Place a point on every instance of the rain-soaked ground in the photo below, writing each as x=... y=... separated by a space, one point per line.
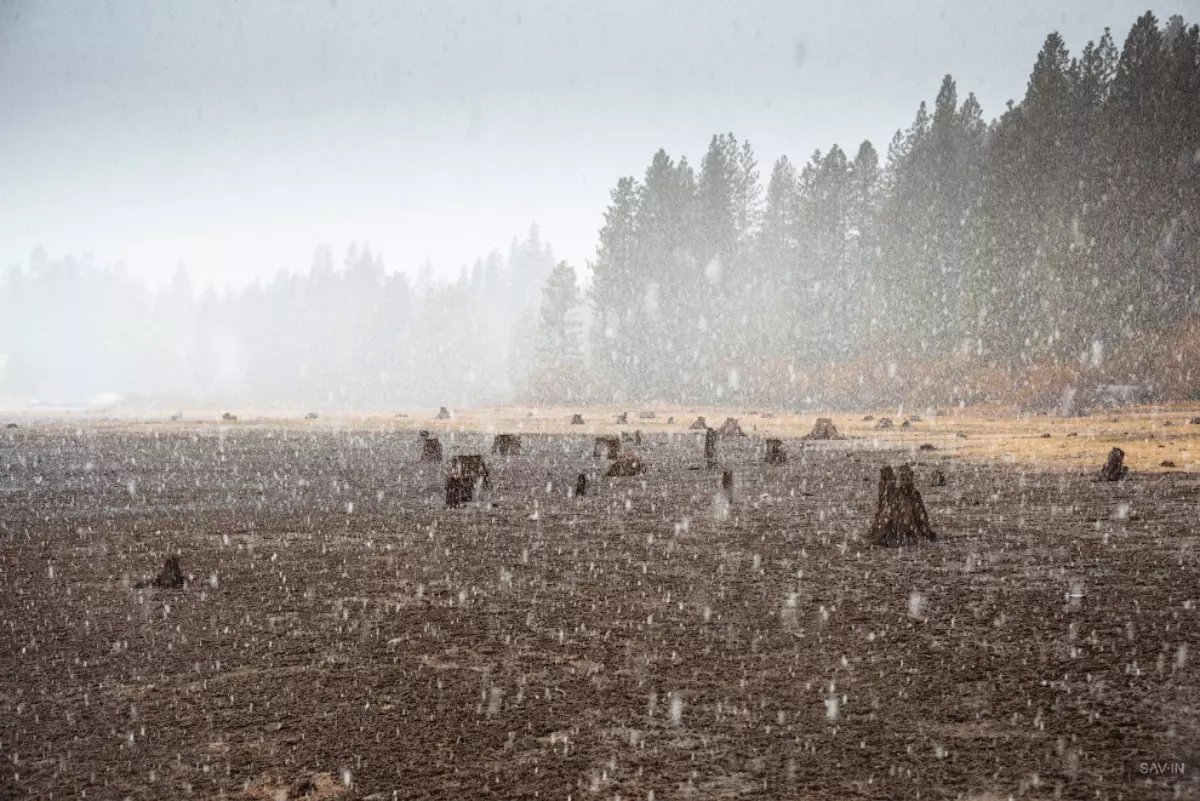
x=343 y=633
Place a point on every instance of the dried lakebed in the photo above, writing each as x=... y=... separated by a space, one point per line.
x=344 y=634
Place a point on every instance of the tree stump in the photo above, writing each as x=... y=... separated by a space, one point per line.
x=710 y=447
x=622 y=418
x=606 y=446
x=506 y=444
x=311 y=416
x=231 y=418
x=471 y=467
x=900 y=517
x=727 y=483
x=699 y=425
x=431 y=449
x=577 y=419
x=823 y=429
x=883 y=423
x=647 y=415
x=581 y=485
x=939 y=479
x=443 y=414
x=171 y=575
x=626 y=464
x=671 y=420
x=1114 y=469
x=868 y=418
x=906 y=424
x=459 y=490
x=775 y=452
x=730 y=428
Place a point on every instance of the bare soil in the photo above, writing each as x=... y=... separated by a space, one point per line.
x=341 y=632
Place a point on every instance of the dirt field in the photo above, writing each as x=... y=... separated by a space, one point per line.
x=345 y=634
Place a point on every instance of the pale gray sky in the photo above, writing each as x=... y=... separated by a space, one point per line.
x=239 y=135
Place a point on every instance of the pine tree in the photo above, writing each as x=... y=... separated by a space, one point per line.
x=558 y=350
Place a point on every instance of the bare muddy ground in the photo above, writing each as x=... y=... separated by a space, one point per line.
x=344 y=634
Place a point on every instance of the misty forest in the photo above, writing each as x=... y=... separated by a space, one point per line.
x=964 y=261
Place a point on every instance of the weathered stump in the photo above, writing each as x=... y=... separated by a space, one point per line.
x=900 y=516
x=671 y=420
x=710 y=447
x=581 y=485
x=699 y=425
x=459 y=490
x=727 y=483
x=647 y=415
x=939 y=479
x=606 y=446
x=730 y=428
x=775 y=452
x=443 y=414
x=882 y=423
x=171 y=575
x=471 y=467
x=577 y=419
x=868 y=418
x=823 y=429
x=626 y=464
x=622 y=418
x=1114 y=469
x=506 y=444
x=431 y=449
x=311 y=416
x=232 y=418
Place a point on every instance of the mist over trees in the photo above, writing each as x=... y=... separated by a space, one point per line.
x=1060 y=239
x=341 y=335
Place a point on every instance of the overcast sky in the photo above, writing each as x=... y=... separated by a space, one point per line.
x=237 y=136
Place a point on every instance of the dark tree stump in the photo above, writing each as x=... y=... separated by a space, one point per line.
x=232 y=418
x=939 y=479
x=581 y=485
x=577 y=419
x=443 y=414
x=431 y=449
x=506 y=444
x=823 y=429
x=1114 y=469
x=710 y=447
x=906 y=424
x=606 y=446
x=727 y=483
x=622 y=418
x=699 y=425
x=472 y=468
x=671 y=421
x=775 y=452
x=868 y=418
x=883 y=423
x=900 y=517
x=459 y=490
x=647 y=415
x=311 y=416
x=626 y=464
x=171 y=575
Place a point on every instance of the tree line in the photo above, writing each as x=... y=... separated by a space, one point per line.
x=1054 y=237
x=348 y=335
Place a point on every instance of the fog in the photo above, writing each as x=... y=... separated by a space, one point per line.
x=361 y=206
